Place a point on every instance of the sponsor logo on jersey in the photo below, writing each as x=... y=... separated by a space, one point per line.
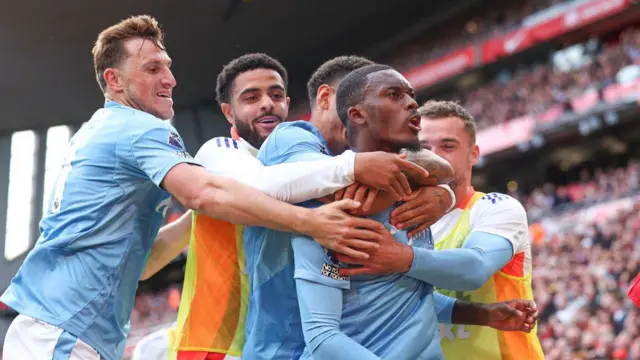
x=331 y=271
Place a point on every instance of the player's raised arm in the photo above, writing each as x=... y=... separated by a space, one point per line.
x=227 y=199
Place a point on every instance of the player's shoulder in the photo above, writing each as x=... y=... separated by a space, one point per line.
x=499 y=202
x=299 y=129
x=223 y=143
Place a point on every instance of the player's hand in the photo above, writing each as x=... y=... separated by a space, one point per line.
x=390 y=257
x=513 y=315
x=423 y=208
x=336 y=230
x=363 y=194
x=384 y=171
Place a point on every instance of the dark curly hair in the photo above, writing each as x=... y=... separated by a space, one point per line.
x=332 y=71
x=243 y=64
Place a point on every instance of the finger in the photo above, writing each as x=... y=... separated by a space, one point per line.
x=371 y=197
x=360 y=194
x=406 y=206
x=349 y=259
x=351 y=191
x=509 y=311
x=412 y=217
x=404 y=183
x=363 y=270
x=345 y=204
x=419 y=229
x=367 y=224
x=339 y=195
x=360 y=245
x=352 y=253
x=363 y=234
x=397 y=189
x=415 y=221
x=415 y=169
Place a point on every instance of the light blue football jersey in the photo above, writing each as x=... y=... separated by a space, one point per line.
x=104 y=213
x=393 y=316
x=273 y=329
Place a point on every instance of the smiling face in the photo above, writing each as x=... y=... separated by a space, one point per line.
x=389 y=110
x=143 y=80
x=258 y=104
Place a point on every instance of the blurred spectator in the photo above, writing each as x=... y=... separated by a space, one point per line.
x=579 y=282
x=602 y=186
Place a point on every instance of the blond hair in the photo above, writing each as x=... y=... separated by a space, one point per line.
x=435 y=109
x=109 y=49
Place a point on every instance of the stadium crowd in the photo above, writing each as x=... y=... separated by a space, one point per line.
x=469 y=28
x=602 y=186
x=532 y=91
x=580 y=278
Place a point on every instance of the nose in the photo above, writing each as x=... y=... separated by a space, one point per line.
x=266 y=103
x=168 y=80
x=412 y=104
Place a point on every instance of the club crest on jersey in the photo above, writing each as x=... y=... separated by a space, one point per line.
x=176 y=141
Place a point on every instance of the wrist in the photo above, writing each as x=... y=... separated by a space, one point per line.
x=302 y=221
x=405 y=259
x=452 y=195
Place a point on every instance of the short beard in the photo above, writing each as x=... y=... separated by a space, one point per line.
x=249 y=135
x=410 y=146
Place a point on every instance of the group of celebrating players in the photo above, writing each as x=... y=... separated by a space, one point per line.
x=387 y=237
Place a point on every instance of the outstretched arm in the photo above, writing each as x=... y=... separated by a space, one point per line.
x=468 y=268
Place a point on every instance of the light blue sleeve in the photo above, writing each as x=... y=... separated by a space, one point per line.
x=321 y=312
x=156 y=147
x=291 y=144
x=444 y=307
x=464 y=269
x=319 y=287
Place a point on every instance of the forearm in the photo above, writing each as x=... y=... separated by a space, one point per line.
x=301 y=181
x=171 y=240
x=227 y=199
x=462 y=269
x=321 y=311
x=469 y=313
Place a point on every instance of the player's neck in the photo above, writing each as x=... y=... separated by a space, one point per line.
x=361 y=142
x=463 y=192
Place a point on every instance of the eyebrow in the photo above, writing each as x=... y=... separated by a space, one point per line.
x=251 y=90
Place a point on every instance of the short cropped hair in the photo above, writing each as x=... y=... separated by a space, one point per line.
x=109 y=51
x=332 y=71
x=240 y=65
x=351 y=89
x=435 y=109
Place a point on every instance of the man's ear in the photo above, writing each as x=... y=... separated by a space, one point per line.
x=113 y=80
x=357 y=115
x=228 y=113
x=323 y=95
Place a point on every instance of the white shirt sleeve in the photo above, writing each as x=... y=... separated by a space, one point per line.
x=292 y=182
x=501 y=215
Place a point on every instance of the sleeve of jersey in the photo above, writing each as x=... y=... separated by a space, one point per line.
x=156 y=149
x=501 y=215
x=444 y=307
x=316 y=264
x=464 y=269
x=288 y=182
x=321 y=313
